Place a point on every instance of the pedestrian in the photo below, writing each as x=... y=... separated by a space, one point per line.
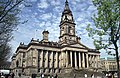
x=42 y=75
x=9 y=75
x=55 y=76
x=12 y=75
x=48 y=76
x=92 y=76
x=6 y=75
x=85 y=75
x=0 y=74
x=74 y=75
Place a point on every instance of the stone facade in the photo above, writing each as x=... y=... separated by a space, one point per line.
x=43 y=56
x=108 y=64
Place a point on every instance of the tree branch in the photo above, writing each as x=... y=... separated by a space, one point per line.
x=112 y=48
x=10 y=10
x=7 y=4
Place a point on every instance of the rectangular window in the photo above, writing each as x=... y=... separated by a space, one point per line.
x=23 y=55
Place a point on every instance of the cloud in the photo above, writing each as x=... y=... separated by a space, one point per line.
x=45 y=16
x=57 y=9
x=55 y=2
x=40 y=11
x=41 y=24
x=21 y=6
x=43 y=4
x=31 y=0
x=79 y=19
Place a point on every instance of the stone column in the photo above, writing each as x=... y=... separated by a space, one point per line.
x=41 y=64
x=79 y=60
x=56 y=62
x=56 y=59
x=37 y=58
x=46 y=62
x=49 y=59
x=46 y=59
x=52 y=59
x=90 y=61
x=93 y=61
x=66 y=58
x=98 y=61
x=51 y=62
x=63 y=60
x=26 y=57
x=83 y=60
x=71 y=58
x=87 y=59
x=60 y=63
x=60 y=60
x=75 y=60
x=31 y=59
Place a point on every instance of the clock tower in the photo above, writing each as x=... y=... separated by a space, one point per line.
x=67 y=27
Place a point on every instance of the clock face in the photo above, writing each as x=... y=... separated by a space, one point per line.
x=63 y=17
x=69 y=17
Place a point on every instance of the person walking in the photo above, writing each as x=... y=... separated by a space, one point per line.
x=12 y=75
x=56 y=76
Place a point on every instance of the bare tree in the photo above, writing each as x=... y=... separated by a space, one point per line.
x=9 y=20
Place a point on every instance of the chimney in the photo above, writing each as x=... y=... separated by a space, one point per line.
x=45 y=36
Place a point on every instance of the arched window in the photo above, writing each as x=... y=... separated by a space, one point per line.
x=69 y=29
x=65 y=38
x=62 y=28
x=17 y=63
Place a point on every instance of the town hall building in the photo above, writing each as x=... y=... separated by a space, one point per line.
x=45 y=57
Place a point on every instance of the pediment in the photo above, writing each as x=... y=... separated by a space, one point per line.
x=78 y=45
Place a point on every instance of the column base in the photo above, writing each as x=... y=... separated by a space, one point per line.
x=47 y=71
x=67 y=69
x=57 y=71
x=76 y=67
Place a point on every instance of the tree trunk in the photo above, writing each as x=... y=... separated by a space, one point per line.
x=117 y=59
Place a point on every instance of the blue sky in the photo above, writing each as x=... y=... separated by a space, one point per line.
x=46 y=15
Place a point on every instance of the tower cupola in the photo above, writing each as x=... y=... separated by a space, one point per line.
x=67 y=14
x=67 y=26
x=45 y=36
